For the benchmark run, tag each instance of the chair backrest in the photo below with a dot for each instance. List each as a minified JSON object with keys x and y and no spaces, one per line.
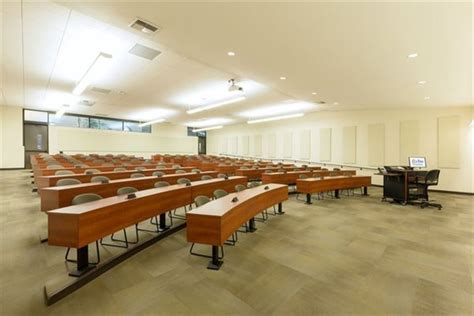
{"x":303,"y":176}
{"x":333,"y":174}
{"x":268,"y":171}
{"x":126,"y":190}
{"x":244,"y":167}
{"x":63,"y":172}
{"x":316,"y":175}
{"x":108,"y":164}
{"x":140,"y":168}
{"x":196,"y":170}
{"x":100,"y":179}
{"x":180,"y":171}
{"x":336,"y":169}
{"x":220,"y":193}
{"x":158,"y":173}
{"x":91,"y":171}
{"x":254,"y":184}
{"x":347,"y":173}
{"x":221,"y":175}
{"x":183,"y":181}
{"x":137,"y":175}
{"x":120,"y":169}
{"x":80,"y":165}
{"x":206,"y":177}
{"x":84,"y":198}
{"x":54,"y":167}
{"x":296,"y":169}
{"x":201,"y":200}
{"x":160,"y":167}
{"x":240,"y":187}
{"x":176,"y":166}
{"x":161,"y":184}
{"x":432,"y":177}
{"x":64,"y":182}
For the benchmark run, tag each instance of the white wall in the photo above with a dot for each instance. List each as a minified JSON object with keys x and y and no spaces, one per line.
{"x":165,"y":138}
{"x":426,"y":139}
{"x":11,"y":135}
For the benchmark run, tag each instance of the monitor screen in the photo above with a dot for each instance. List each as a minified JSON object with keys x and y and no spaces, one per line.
{"x":417,"y":162}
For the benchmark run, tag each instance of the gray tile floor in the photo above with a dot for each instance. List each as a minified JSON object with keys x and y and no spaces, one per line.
{"x":355,"y":255}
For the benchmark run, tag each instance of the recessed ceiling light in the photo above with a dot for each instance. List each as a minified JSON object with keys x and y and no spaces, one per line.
{"x":422,"y":82}
{"x":230,"y":54}
{"x":314,"y":93}
{"x":427,"y":98}
{"x":336,"y":103}
{"x":413,"y":55}
{"x":282,"y":78}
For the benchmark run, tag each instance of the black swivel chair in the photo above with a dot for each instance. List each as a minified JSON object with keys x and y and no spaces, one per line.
{"x":431,"y":178}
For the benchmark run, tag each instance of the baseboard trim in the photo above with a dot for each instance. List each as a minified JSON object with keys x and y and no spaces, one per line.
{"x":434,"y":190}
{"x":12,"y":168}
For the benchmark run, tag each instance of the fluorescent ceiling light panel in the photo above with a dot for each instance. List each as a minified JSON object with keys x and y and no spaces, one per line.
{"x":215,"y":105}
{"x":208,"y":122}
{"x":207,"y":128}
{"x":152,"y":122}
{"x":96,"y":68}
{"x":280,"y":109}
{"x":275,"y":118}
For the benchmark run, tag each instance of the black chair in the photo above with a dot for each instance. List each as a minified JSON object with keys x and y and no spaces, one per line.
{"x":422,"y":184}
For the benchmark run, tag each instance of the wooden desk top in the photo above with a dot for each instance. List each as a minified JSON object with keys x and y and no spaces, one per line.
{"x":78,"y":225}
{"x":57,"y":197}
{"x":49,"y":181}
{"x":215,"y":221}
{"x":312,"y":185}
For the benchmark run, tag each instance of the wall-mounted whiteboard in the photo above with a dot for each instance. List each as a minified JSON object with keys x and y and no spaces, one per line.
{"x":409,"y":140}
{"x":376,"y":145}
{"x":449,"y":149}
{"x":325,"y":144}
{"x":245,"y":145}
{"x":258,"y":145}
{"x":305,"y":144}
{"x":288,"y":145}
{"x":271,"y":143}
{"x":349,"y":144}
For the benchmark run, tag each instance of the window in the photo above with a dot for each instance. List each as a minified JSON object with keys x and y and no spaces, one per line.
{"x":191,"y":133}
{"x":111,"y":125}
{"x":36,"y":116}
{"x":65,"y":120}
{"x":135,"y":127}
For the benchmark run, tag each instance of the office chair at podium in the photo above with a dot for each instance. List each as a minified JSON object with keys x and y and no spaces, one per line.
{"x":430,"y":179}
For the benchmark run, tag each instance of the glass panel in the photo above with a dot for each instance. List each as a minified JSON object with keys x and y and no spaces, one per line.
{"x":110,"y":125}
{"x":36,"y":116}
{"x":191,"y":133}
{"x":65,"y":120}
{"x":83,"y":122}
{"x":146,"y":129}
{"x":36,"y":137}
{"x":131,"y":127}
{"x":94,"y":123}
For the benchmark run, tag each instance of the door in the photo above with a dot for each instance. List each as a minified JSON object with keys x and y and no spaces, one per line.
{"x":35,"y":140}
{"x":201,"y":145}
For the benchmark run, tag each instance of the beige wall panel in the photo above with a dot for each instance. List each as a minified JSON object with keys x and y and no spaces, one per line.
{"x":245,"y":145}
{"x":409,"y":140}
{"x":349,"y":144}
{"x":376,"y":145}
{"x":271,"y":145}
{"x":449,"y":150}
{"x":325,"y":144}
{"x":258,"y":145}
{"x":288,"y":145}
{"x":305,"y":144}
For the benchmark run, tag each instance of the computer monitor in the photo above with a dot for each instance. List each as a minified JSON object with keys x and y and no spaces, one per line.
{"x":417,"y":162}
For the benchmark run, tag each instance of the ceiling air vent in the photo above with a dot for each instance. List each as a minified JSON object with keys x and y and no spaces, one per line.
{"x":143,"y":51}
{"x":143,"y":26}
{"x":101,"y":90}
{"x":86,"y":103}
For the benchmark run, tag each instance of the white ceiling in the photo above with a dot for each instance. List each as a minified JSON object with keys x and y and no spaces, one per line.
{"x":354,"y":54}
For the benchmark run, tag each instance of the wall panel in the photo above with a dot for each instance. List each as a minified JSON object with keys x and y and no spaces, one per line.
{"x":258,"y":145}
{"x":325,"y":144}
{"x":271,"y":146}
{"x":245,"y":145}
{"x":409,"y":140}
{"x":305,"y":144}
{"x":449,"y":149}
{"x":288,"y":145}
{"x":349,"y":144}
{"x":376,"y":145}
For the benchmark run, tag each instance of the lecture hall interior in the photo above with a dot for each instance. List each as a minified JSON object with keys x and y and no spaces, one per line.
{"x":236,"y":158}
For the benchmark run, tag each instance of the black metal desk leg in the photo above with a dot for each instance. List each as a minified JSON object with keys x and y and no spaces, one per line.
{"x":365,"y":191}
{"x":308,"y":198}
{"x":83,"y":265}
{"x":215,"y":263}
{"x":280,"y":209}
{"x":336,"y":194}
{"x":163,"y":226}
{"x":252,"y":227}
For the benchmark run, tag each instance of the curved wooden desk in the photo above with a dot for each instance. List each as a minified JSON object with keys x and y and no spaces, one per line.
{"x":214,"y":222}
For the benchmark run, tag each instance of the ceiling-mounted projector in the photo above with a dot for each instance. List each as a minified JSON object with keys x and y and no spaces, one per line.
{"x":233,"y":87}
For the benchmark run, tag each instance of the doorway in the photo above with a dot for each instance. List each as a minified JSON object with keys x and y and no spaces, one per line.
{"x":35,"y":140}
{"x":201,"y":145}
